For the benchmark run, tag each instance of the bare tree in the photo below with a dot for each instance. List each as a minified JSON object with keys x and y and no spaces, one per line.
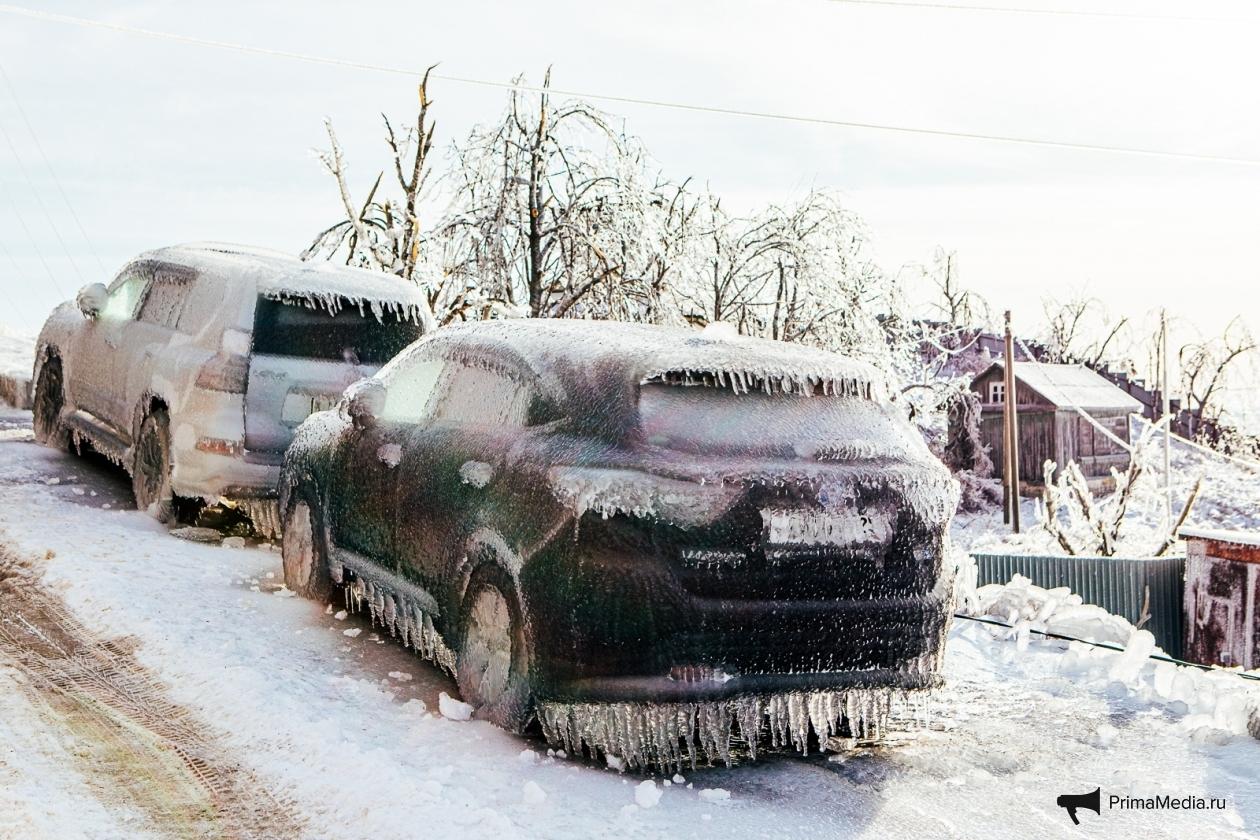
{"x":956,"y":305}
{"x":1204,"y":367}
{"x":551,"y":203}
{"x":385,"y":233}
{"x":1079,"y":330}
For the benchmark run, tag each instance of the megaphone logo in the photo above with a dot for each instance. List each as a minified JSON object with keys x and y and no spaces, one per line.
{"x":1072,"y":801}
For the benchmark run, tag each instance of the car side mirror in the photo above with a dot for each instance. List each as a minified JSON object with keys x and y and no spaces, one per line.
{"x":92,"y":299}
{"x":364,"y":402}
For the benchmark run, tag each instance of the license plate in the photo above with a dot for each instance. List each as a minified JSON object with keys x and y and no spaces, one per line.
{"x":847,"y":526}
{"x":299,"y":405}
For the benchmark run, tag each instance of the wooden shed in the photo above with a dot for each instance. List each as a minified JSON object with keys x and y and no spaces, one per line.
{"x":1050,"y":427}
{"x":1222,"y":625}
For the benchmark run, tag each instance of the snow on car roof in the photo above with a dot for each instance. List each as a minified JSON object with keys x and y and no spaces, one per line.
{"x":676,"y":355}
{"x":280,"y":276}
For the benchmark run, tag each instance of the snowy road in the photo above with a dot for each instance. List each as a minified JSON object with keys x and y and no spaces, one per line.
{"x":338,"y":730}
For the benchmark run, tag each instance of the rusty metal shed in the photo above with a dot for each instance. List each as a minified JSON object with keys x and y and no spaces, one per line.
{"x":1222,"y":588}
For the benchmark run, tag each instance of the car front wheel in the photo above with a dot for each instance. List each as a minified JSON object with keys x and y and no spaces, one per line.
{"x":492,"y":667}
{"x":303,"y":552}
{"x":49,"y":399}
{"x":151,"y":477}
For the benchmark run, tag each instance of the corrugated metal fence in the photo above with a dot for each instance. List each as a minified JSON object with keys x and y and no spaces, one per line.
{"x":1117,"y":584}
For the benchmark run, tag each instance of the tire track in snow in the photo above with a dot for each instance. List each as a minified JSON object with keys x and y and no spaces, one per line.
{"x":138,"y":748}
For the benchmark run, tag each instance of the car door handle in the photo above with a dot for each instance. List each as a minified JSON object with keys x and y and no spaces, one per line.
{"x":476,"y":473}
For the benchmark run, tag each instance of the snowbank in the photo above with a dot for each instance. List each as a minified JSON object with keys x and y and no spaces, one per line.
{"x":1207,"y":702}
{"x":17,"y":358}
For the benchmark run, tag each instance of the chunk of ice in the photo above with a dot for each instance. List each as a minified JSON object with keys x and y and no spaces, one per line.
{"x":453,"y":709}
{"x":647,"y":794}
{"x":533,"y":794}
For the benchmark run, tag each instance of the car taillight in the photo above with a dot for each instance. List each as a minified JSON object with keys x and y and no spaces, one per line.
{"x":225,"y":372}
{"x":218,"y":446}
{"x":228,"y":371}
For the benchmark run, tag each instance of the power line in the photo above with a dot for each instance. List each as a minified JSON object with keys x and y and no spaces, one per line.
{"x":1160,"y":657}
{"x":1028,"y":10}
{"x":35,"y":247}
{"x":631,"y":100}
{"x":39,"y":200}
{"x":17,"y":272}
{"x":47,"y":163}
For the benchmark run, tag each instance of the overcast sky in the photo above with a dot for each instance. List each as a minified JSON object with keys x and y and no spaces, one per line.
{"x":157,"y":142}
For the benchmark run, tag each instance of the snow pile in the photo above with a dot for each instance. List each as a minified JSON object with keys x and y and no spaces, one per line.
{"x":17,"y":358}
{"x":1207,"y":701}
{"x":17,"y":352}
{"x":1026,"y":606}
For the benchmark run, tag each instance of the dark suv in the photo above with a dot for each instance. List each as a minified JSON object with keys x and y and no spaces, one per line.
{"x":642,"y":536}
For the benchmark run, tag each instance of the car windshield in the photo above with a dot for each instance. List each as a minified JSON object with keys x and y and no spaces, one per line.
{"x":716,"y":421}
{"x":287,"y":328}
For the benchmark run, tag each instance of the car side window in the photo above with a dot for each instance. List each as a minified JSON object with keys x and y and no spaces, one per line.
{"x":124,"y":295}
{"x":409,"y":390}
{"x":479,"y":395}
{"x":164,"y":301}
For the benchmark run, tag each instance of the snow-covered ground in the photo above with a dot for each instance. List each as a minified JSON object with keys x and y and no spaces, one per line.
{"x":17,"y":352}
{"x":1229,"y":499}
{"x":345,"y":729}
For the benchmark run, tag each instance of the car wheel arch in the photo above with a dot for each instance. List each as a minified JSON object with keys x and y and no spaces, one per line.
{"x":488,"y":548}
{"x":150,"y":402}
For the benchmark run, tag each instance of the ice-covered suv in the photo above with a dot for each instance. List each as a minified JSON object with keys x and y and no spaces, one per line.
{"x":195,"y":365}
{"x":644,"y":537}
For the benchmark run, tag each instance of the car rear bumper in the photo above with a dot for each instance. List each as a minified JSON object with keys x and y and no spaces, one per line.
{"x":702,"y":649}
{"x":211,"y":476}
{"x":913,"y":676}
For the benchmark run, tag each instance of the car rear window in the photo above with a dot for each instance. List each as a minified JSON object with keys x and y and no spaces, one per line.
{"x":716,"y":421}
{"x":290,"y":328}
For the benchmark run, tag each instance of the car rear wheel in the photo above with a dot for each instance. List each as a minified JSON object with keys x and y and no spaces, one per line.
{"x":492,"y":667}
{"x":151,"y":476}
{"x":304,"y":553}
{"x":49,"y":399}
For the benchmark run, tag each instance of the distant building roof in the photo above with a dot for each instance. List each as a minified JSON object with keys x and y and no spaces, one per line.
{"x":1073,"y":385}
{"x":1236,"y":537}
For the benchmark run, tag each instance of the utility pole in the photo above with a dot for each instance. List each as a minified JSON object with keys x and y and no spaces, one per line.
{"x":1011,"y":417}
{"x":1167,"y":420}
{"x":1010,"y":423}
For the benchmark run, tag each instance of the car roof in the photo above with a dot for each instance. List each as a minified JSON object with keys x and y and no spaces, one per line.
{"x":579,"y":356}
{"x":279,"y":276}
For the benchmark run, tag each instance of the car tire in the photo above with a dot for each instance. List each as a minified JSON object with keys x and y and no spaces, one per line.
{"x":304,"y":551}
{"x":492,"y":666}
{"x":151,"y":472}
{"x":49,"y":398}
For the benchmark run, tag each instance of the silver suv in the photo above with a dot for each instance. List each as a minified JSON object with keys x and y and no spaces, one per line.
{"x":195,"y":365}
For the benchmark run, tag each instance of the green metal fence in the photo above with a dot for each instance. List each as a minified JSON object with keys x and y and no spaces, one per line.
{"x":1117,"y":584}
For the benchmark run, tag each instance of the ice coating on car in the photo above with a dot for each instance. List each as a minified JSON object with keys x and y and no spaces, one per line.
{"x":282,"y":277}
{"x":664,"y":546}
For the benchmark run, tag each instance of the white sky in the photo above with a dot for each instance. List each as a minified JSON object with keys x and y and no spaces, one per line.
{"x":158,"y":142}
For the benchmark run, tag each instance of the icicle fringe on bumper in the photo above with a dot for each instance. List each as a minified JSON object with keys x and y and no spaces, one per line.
{"x":668,"y":735}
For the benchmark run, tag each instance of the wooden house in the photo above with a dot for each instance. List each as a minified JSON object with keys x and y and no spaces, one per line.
{"x":1050,"y":427}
